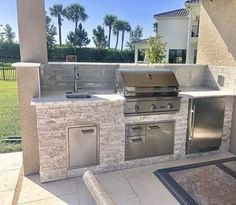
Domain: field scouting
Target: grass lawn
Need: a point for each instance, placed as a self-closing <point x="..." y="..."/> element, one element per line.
<point x="9" y="115"/>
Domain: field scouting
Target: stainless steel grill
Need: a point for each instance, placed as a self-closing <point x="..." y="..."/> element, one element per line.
<point x="148" y="91"/>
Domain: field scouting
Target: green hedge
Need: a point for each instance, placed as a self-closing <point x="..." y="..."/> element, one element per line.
<point x="58" y="53"/>
<point x="91" y="55"/>
<point x="9" y="52"/>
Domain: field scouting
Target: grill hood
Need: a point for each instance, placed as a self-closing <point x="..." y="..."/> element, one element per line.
<point x="148" y="91"/>
<point x="147" y="78"/>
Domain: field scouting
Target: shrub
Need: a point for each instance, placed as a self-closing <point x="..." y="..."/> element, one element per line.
<point x="91" y="54"/>
<point x="59" y="53"/>
<point x="9" y="51"/>
<point x="156" y="52"/>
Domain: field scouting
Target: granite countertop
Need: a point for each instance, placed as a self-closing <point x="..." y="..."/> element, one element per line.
<point x="58" y="97"/>
<point x="198" y="92"/>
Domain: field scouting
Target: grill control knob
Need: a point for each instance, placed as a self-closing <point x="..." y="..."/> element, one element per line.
<point x="153" y="107"/>
<point x="136" y="108"/>
<point x="170" y="106"/>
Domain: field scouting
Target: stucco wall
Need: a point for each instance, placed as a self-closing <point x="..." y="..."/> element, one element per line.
<point x="217" y="39"/>
<point x="174" y="31"/>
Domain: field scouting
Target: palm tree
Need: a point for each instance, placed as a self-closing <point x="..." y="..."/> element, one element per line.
<point x="58" y="11"/>
<point x="76" y="13"/>
<point x="125" y="26"/>
<point x="108" y="21"/>
<point x="117" y="25"/>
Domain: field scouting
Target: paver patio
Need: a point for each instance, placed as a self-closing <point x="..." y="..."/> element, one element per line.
<point x="131" y="186"/>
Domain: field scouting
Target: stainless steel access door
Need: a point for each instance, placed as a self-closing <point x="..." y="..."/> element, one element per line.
<point x="160" y="138"/>
<point x="134" y="147"/>
<point x="206" y="117"/>
<point x="82" y="146"/>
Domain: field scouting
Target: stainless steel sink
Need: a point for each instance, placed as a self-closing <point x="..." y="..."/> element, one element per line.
<point x="77" y="95"/>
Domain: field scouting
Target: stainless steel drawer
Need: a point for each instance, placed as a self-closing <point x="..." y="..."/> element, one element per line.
<point x="82" y="146"/>
<point x="160" y="139"/>
<point x="133" y="130"/>
<point x="134" y="147"/>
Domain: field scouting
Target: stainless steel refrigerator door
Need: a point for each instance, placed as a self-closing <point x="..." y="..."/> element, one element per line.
<point x="206" y="124"/>
<point x="134" y="147"/>
<point x="160" y="139"/>
<point x="82" y="146"/>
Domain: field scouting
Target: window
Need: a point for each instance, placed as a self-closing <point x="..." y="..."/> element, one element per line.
<point x="177" y="55"/>
<point x="194" y="31"/>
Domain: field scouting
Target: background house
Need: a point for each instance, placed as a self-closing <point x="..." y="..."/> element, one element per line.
<point x="179" y="29"/>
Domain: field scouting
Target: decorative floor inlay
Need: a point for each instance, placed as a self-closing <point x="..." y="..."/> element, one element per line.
<point x="207" y="183"/>
<point x="231" y="165"/>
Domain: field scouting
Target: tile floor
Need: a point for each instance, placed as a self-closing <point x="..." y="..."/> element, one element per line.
<point x="126" y="187"/>
<point x="10" y="165"/>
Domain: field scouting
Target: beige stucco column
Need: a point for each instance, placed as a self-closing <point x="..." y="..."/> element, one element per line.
<point x="32" y="31"/>
<point x="28" y="87"/>
<point x="33" y="49"/>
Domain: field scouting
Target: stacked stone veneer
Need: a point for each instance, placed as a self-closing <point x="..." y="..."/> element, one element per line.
<point x="53" y="120"/>
<point x="229" y="74"/>
<point x="229" y="102"/>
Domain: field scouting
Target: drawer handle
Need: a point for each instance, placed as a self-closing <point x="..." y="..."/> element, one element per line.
<point x="136" y="140"/>
<point x="88" y="131"/>
<point x="153" y="127"/>
<point x="162" y="106"/>
<point x="136" y="128"/>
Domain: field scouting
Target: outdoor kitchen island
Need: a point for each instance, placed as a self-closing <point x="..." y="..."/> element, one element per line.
<point x="104" y="115"/>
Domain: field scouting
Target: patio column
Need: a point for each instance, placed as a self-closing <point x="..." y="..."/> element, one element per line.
<point x="28" y="87"/>
<point x="32" y="31"/>
<point x="189" y="46"/>
<point x="33" y="50"/>
<point x="136" y="55"/>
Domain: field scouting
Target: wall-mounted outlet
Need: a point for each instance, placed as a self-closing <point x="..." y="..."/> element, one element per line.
<point x="221" y="80"/>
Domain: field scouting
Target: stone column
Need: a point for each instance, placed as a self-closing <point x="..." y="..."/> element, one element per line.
<point x="32" y="31"/>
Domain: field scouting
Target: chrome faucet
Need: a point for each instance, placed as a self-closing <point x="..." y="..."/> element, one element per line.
<point x="76" y="78"/>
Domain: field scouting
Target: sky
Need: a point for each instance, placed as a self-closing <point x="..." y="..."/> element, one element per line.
<point x="136" y="12"/>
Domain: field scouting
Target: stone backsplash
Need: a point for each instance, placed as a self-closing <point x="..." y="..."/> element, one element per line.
<point x="56" y="77"/>
<point x="101" y="76"/>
